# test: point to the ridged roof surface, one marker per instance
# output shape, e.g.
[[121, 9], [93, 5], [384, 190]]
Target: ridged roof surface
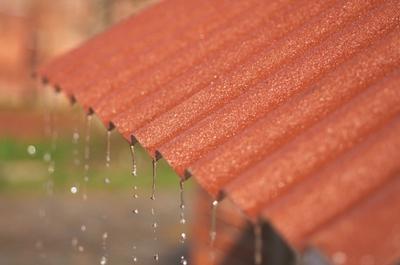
[[290, 108]]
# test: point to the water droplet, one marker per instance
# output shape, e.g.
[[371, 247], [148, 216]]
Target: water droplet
[[74, 189], [50, 169], [156, 257], [132, 147], [182, 221], [153, 188], [75, 136], [136, 211], [47, 157], [135, 259], [81, 248], [183, 237], [108, 153], [155, 225], [83, 228], [31, 150], [135, 196], [107, 181], [103, 260], [74, 242], [105, 235], [86, 178], [183, 260]]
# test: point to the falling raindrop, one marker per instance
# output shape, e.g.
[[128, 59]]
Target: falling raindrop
[[183, 260], [74, 189], [257, 244], [47, 157], [213, 232], [74, 242], [87, 146], [31, 150], [213, 228], [183, 237]]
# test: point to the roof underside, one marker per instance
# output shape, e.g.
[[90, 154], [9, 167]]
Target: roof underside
[[291, 108]]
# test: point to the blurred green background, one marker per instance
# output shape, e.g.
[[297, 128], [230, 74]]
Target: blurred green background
[[42, 221]]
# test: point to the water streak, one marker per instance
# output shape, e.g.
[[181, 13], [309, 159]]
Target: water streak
[[182, 219], [153, 187], [213, 229], [257, 244], [108, 154], [134, 172], [153, 213]]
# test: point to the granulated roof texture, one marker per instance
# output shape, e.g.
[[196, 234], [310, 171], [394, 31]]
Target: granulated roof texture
[[289, 108]]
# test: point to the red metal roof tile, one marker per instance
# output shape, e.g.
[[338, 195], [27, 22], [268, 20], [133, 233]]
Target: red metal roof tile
[[366, 246], [280, 105]]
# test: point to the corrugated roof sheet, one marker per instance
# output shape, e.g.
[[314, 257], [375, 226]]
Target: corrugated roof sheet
[[289, 108]]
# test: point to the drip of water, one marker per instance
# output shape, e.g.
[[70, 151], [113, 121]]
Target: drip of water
[[134, 172], [104, 259], [183, 260], [213, 228], [182, 219], [87, 152], [153, 187], [74, 189], [108, 155], [257, 244], [153, 213]]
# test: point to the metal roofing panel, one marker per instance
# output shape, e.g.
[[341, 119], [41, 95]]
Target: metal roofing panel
[[260, 101], [376, 246]]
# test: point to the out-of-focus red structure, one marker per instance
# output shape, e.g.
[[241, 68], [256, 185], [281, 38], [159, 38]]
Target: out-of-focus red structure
[[291, 109]]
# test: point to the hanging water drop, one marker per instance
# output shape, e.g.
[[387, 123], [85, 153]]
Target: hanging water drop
[[213, 228], [132, 148], [108, 154], [153, 187], [213, 232]]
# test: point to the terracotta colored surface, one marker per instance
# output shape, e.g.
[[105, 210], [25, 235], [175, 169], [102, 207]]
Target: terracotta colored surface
[[282, 106], [377, 246]]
